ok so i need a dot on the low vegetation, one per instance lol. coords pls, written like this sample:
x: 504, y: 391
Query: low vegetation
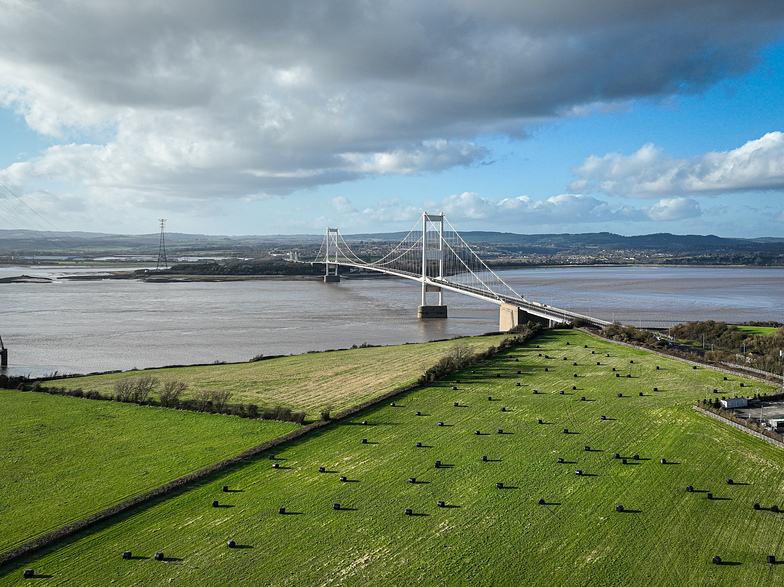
x: 514, y: 409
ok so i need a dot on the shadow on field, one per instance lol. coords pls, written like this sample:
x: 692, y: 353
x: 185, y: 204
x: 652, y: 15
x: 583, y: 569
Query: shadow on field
x: 242, y: 546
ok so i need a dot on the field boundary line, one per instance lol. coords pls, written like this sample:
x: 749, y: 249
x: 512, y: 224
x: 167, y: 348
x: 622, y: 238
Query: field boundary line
x: 740, y: 427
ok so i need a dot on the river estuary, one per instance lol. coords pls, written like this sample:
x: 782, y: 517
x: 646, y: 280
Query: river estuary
x: 72, y: 326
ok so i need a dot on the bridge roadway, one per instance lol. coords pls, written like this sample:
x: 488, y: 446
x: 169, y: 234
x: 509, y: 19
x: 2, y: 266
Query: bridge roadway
x: 542, y: 311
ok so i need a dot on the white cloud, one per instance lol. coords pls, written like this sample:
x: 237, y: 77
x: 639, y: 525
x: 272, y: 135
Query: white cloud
x: 564, y: 209
x: 201, y: 99
x: 650, y: 173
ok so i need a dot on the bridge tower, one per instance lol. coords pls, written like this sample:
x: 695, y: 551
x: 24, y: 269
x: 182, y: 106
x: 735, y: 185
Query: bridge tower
x: 331, y: 275
x: 432, y: 264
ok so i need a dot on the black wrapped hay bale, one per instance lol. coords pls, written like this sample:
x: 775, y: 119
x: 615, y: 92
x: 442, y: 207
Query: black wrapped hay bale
x: 412, y: 479
x: 564, y: 359
x: 774, y: 508
x: 342, y: 478
x: 640, y: 394
x: 28, y: 574
x: 617, y: 374
x: 566, y: 431
x: 689, y: 488
x: 498, y: 375
x: 484, y: 459
x: 440, y: 503
x: 628, y: 376
x: 127, y: 555
x: 694, y: 366
x: 619, y: 508
x: 582, y: 398
x: 489, y: 398
x: 655, y: 389
x: 499, y: 485
x: 620, y: 395
x: 604, y: 417
x: 535, y: 392
x: 500, y: 431
x: 417, y: 413
x: 364, y: 441
x: 440, y: 423
x: 716, y: 560
x: 539, y: 421
x: 587, y: 448
x: 771, y: 559
x: 616, y: 456
x: 419, y: 445
x: 613, y: 369
x: 756, y: 506
x: 457, y: 381
x: 598, y: 362
x: 438, y: 464
x: 517, y: 384
x: 158, y: 556
x: 519, y: 372
x: 409, y: 511
x: 335, y: 506
x: 636, y: 457
x: 663, y: 461
x: 730, y: 481
x: 623, y: 461
x: 281, y: 510
x: 476, y: 432
x: 231, y: 544
x: 578, y: 472
x: 575, y: 375
x: 456, y: 404
x: 271, y: 457
x: 560, y: 460
x: 225, y: 489
x: 364, y: 422
x: 709, y: 496
x: 657, y: 367
x: 503, y: 409
x: 215, y: 503
x: 561, y: 392
x: 454, y: 388
x: 541, y: 501
x: 545, y: 369
x: 574, y: 387
x: 275, y: 465
x: 392, y: 404
x: 322, y: 470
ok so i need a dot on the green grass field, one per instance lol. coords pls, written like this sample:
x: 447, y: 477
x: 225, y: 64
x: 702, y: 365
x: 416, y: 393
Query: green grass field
x: 758, y: 330
x: 63, y: 458
x: 309, y: 383
x: 484, y: 535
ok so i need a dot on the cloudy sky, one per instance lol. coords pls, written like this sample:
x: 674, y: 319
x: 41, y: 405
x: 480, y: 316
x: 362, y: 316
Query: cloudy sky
x: 270, y: 117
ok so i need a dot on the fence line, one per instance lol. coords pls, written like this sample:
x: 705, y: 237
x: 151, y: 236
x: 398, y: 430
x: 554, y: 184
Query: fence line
x: 740, y: 427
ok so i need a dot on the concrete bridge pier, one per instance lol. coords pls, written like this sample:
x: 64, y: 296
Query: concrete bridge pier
x: 431, y: 312
x: 511, y: 316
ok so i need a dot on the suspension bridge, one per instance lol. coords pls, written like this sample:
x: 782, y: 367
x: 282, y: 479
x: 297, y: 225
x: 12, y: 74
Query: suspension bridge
x: 436, y: 256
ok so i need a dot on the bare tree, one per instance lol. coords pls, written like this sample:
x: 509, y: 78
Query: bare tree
x: 170, y: 395
x: 220, y: 399
x: 123, y: 389
x: 143, y: 387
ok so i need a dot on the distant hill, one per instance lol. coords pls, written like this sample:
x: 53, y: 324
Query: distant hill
x: 499, y: 247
